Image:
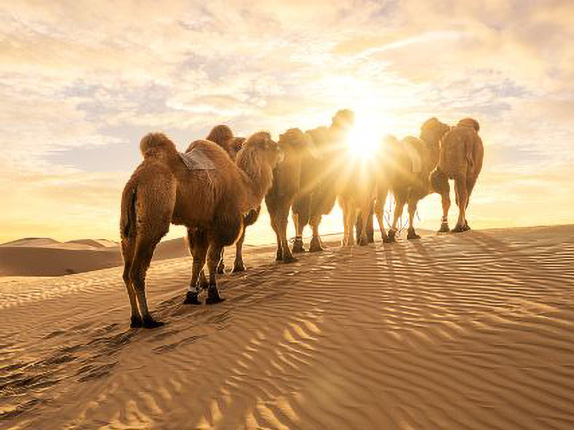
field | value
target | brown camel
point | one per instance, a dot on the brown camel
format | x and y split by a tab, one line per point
405	173
286	185
203	190
406	166
320	176
461	155
223	136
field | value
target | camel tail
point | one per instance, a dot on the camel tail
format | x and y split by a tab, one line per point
128	215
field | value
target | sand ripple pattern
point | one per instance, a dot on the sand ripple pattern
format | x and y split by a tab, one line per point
458	331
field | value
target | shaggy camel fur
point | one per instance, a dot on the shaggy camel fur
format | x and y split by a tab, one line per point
286	185
320	173
461	155
210	202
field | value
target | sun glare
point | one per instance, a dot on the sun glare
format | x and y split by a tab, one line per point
365	136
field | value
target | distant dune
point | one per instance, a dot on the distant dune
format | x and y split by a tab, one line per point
449	332
48	257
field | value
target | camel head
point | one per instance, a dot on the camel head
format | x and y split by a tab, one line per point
433	130
260	146
294	140
257	159
469	122
156	145
222	135
237	143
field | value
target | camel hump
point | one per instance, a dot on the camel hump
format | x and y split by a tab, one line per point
294	138
154	144
469	122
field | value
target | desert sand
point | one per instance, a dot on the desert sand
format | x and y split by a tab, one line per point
449	332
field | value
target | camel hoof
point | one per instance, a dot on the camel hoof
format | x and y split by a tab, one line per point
213	296
466	227
191	299
315	245
136	322
289	259
279	256
363	241
458	229
371	239
298	246
391	238
151	323
238	268
444	228
412	235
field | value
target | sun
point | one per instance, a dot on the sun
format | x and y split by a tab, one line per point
364	139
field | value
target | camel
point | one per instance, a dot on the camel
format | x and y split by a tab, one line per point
286	185
405	174
406	166
319	178
223	136
203	190
460	158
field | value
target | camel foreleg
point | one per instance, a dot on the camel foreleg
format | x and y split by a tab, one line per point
198	248
238	265
213	257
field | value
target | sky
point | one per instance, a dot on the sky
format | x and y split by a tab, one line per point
82	81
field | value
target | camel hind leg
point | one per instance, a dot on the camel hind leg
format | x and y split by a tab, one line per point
470	183
462	202
282	219
150	214
412	208
128	248
239	265
400	197
145	246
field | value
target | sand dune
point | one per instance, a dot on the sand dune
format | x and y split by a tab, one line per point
48	257
450	332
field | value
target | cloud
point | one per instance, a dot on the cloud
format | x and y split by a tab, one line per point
81	82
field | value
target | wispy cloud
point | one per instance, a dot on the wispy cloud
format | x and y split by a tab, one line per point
80	82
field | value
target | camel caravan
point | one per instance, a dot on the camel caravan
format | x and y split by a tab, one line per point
217	186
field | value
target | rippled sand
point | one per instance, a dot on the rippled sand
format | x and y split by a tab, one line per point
457	331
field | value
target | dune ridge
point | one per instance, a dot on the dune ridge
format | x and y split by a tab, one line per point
455	331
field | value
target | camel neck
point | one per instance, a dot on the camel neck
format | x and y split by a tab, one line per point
257	177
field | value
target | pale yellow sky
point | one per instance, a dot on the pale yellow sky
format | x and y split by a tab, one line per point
81	82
